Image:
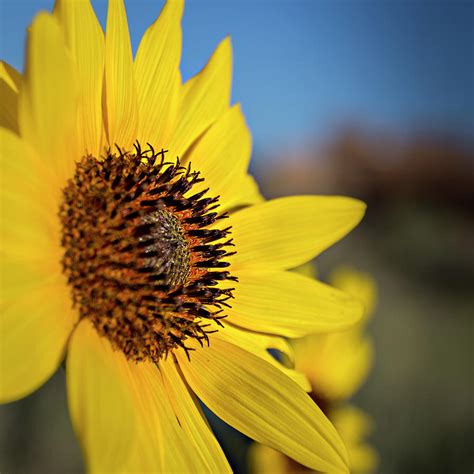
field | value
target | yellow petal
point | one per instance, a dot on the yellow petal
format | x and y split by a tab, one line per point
260	344
85	39
122	413
157	76
354	426
248	194
343	362
10	81
47	103
308	270
29	227
26	228
204	98
222	157
290	305
354	422
287	232
10	76
260	401
192	420
101	403
34	329
359	285
121	114
161	442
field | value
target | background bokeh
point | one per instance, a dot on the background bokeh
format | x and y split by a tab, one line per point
372	99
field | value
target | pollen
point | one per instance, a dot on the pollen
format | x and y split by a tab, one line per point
143	255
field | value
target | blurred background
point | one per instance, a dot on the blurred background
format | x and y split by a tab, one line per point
371	99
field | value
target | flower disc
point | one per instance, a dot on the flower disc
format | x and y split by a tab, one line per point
139	255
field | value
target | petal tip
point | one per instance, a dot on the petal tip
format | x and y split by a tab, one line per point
224	49
43	19
175	7
358	312
356	208
361	205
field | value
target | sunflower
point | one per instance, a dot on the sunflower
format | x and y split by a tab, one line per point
336	366
137	249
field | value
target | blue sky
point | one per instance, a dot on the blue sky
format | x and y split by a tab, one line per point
301	68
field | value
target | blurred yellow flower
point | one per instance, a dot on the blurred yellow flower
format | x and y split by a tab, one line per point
336	366
343	358
115	253
355	426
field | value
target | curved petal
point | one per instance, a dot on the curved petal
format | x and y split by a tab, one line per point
10	81
20	276
192	420
157	75
48	98
290	305
85	39
29	227
260	344
249	194
121	114
263	403
222	156
101	403
204	98
34	329
161	444
122	412
287	232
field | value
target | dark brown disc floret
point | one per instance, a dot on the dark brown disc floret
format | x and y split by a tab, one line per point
139	254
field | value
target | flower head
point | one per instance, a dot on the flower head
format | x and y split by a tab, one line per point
136	246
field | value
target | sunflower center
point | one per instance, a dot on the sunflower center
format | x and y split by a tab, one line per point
141	260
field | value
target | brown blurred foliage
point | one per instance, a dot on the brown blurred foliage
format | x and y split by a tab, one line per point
378	168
